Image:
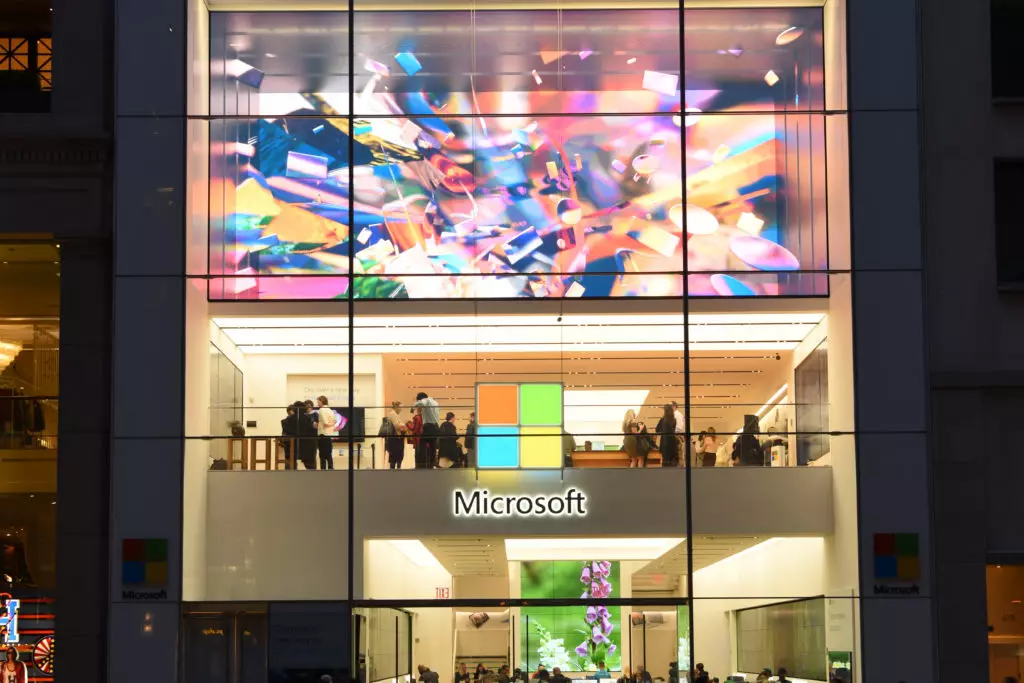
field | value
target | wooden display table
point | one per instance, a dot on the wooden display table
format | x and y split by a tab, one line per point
610	459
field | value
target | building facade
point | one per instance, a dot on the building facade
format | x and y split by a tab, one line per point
56	105
976	380
512	256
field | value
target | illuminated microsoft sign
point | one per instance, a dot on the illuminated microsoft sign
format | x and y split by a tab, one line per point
480	503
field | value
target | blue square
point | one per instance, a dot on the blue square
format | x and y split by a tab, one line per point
408	62
133	572
497	447
886	567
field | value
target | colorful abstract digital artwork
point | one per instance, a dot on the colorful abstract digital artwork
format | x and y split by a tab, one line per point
576	162
519	425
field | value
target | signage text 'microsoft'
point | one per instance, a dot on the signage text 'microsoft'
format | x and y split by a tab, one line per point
480	503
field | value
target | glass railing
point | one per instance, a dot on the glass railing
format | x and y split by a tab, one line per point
272	439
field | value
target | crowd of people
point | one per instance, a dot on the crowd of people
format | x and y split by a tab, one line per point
439	443
312	428
435	443
640	675
707	450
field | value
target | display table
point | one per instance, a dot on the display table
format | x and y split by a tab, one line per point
608	459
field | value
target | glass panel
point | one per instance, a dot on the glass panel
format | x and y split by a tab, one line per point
756	196
264	63
770	61
29	399
1004	588
542	61
279	208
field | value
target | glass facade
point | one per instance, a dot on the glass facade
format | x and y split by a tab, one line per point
457	271
29	393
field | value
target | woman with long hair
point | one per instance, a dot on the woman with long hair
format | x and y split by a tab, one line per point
13	670
668	442
629	438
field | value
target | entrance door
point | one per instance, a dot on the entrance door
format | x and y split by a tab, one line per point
224	648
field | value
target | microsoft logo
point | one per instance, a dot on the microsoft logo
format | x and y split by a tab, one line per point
144	561
519	425
896	557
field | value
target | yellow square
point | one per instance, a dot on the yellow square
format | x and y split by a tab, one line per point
908	568
156	573
540	447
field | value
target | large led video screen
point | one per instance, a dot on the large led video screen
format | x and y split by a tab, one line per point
576	638
517	154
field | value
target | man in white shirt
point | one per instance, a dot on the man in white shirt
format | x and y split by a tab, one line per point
426	453
680	423
325	428
684	444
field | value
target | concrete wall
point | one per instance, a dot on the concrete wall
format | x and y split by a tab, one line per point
976	358
55	182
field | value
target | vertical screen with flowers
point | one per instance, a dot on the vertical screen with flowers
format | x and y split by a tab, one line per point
578	637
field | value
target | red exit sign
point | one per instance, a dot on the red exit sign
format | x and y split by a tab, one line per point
442	593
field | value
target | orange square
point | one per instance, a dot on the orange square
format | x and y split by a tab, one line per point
497	404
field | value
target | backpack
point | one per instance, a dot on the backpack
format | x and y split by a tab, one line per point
387	428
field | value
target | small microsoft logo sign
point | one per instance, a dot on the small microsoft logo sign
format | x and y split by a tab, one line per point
897	560
144	561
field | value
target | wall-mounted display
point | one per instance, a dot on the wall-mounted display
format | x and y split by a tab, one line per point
490	159
576	638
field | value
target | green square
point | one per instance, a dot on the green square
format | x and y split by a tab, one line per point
540	405
906	545
156	550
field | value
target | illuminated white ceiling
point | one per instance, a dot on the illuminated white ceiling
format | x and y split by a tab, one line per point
635	548
512	334
490	555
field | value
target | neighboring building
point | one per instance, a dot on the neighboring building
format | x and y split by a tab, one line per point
568	220
55	284
973	165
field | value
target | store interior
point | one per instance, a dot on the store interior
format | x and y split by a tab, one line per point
492	568
514	608
773	364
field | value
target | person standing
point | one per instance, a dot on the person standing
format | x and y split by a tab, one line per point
448	447
325	428
394	445
426	454
746	450
629	439
668	442
14	671
470	441
700	675
289	425
301	427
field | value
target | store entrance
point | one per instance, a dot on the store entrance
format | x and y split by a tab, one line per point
224	646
